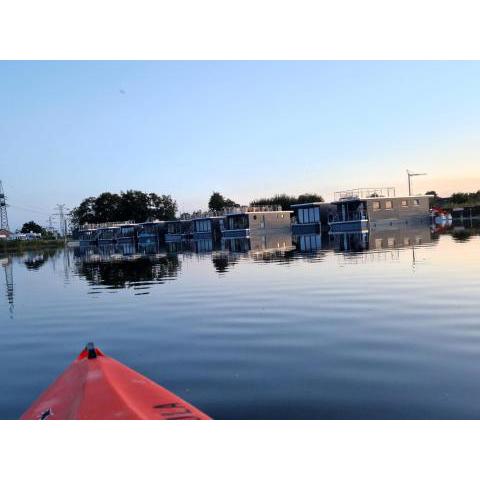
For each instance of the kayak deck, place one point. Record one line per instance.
(97, 387)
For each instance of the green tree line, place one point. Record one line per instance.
(130, 205)
(286, 201)
(459, 199)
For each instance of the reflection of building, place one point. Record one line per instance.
(114, 268)
(366, 208)
(399, 236)
(312, 217)
(270, 241)
(243, 222)
(311, 242)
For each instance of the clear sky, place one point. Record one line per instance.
(69, 130)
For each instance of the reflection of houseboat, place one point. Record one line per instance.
(311, 242)
(312, 217)
(382, 238)
(151, 233)
(245, 221)
(178, 230)
(361, 209)
(87, 237)
(204, 245)
(207, 228)
(272, 241)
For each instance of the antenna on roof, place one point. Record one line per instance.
(411, 174)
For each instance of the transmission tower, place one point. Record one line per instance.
(3, 210)
(62, 221)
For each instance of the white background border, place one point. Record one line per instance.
(247, 29)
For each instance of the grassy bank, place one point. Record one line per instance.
(22, 245)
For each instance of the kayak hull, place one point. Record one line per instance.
(98, 387)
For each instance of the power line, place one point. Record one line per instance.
(29, 209)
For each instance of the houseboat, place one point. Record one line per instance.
(312, 217)
(361, 209)
(207, 227)
(244, 221)
(87, 237)
(106, 235)
(178, 230)
(151, 233)
(127, 233)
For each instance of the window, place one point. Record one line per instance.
(317, 214)
(416, 202)
(376, 205)
(300, 215)
(388, 204)
(404, 203)
(391, 242)
(203, 226)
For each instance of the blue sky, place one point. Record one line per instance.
(69, 130)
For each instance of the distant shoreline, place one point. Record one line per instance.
(7, 246)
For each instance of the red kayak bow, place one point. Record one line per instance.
(97, 387)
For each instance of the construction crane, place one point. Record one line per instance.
(410, 175)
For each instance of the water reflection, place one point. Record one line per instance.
(118, 266)
(125, 266)
(6, 263)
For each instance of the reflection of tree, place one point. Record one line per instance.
(124, 273)
(222, 263)
(35, 260)
(462, 235)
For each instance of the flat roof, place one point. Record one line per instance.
(356, 199)
(309, 204)
(257, 213)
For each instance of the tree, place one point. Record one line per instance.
(107, 207)
(218, 202)
(309, 198)
(32, 227)
(85, 212)
(131, 205)
(162, 207)
(286, 201)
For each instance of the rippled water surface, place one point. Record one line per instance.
(380, 327)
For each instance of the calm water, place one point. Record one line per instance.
(378, 326)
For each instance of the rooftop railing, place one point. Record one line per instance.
(96, 226)
(357, 193)
(252, 208)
